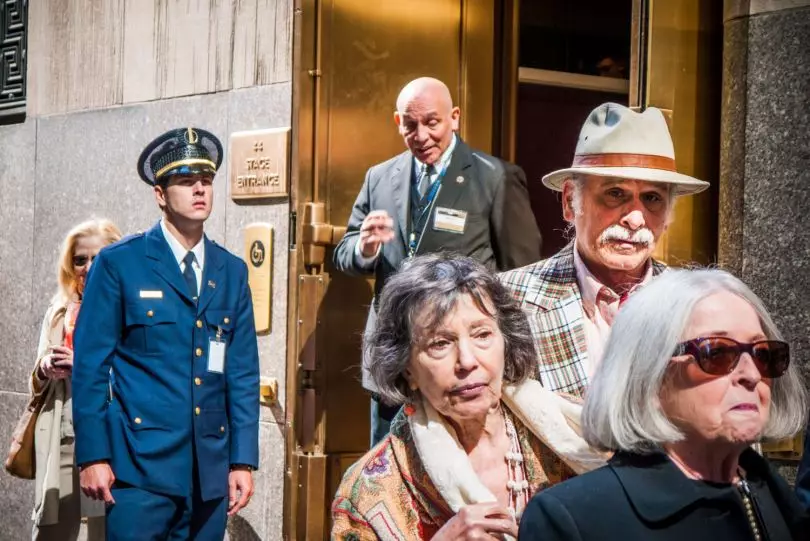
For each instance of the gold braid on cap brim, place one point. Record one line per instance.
(187, 161)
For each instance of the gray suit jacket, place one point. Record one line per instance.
(500, 229)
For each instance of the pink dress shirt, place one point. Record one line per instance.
(600, 304)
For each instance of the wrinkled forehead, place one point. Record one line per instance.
(422, 110)
(724, 313)
(433, 315)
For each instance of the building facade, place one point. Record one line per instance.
(88, 83)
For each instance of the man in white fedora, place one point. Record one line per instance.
(618, 196)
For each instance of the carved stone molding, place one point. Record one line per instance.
(13, 27)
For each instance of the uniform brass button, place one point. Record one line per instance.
(137, 420)
(150, 313)
(197, 381)
(199, 324)
(222, 429)
(197, 410)
(198, 352)
(226, 320)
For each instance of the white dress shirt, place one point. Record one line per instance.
(441, 165)
(180, 252)
(444, 162)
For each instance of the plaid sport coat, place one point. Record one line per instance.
(549, 294)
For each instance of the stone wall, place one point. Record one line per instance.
(87, 54)
(764, 222)
(765, 159)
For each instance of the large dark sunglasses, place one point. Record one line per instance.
(720, 355)
(81, 260)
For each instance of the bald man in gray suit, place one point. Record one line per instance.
(439, 195)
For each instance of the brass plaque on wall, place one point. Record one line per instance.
(259, 258)
(258, 163)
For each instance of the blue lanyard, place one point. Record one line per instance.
(414, 241)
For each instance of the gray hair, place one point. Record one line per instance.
(622, 408)
(433, 284)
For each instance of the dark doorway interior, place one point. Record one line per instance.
(573, 56)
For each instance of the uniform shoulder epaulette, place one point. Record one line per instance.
(227, 253)
(220, 246)
(125, 240)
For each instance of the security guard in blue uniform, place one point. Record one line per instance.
(166, 378)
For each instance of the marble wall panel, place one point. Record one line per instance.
(262, 518)
(83, 170)
(86, 54)
(16, 495)
(776, 244)
(75, 51)
(261, 108)
(18, 339)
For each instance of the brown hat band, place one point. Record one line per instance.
(646, 161)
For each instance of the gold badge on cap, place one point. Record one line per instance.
(192, 137)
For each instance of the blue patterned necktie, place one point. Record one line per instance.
(424, 179)
(188, 274)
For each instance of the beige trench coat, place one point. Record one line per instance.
(54, 419)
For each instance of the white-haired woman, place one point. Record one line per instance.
(695, 371)
(477, 436)
(57, 505)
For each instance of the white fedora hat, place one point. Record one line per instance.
(618, 142)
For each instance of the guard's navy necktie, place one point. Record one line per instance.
(188, 274)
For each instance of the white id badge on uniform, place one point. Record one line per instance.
(216, 356)
(450, 220)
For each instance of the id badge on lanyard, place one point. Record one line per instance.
(216, 353)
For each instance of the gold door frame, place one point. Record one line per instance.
(314, 227)
(676, 65)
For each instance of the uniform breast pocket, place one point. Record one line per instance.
(150, 327)
(220, 323)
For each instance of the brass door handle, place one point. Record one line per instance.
(316, 230)
(317, 234)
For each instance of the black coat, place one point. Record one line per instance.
(646, 497)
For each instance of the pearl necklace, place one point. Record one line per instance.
(750, 506)
(517, 485)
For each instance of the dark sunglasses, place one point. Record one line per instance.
(81, 260)
(720, 355)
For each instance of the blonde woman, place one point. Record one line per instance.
(58, 507)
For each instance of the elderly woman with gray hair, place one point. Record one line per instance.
(477, 436)
(695, 372)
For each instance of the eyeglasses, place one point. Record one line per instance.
(720, 355)
(81, 260)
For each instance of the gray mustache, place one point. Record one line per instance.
(617, 232)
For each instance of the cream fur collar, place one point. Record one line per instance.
(552, 418)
